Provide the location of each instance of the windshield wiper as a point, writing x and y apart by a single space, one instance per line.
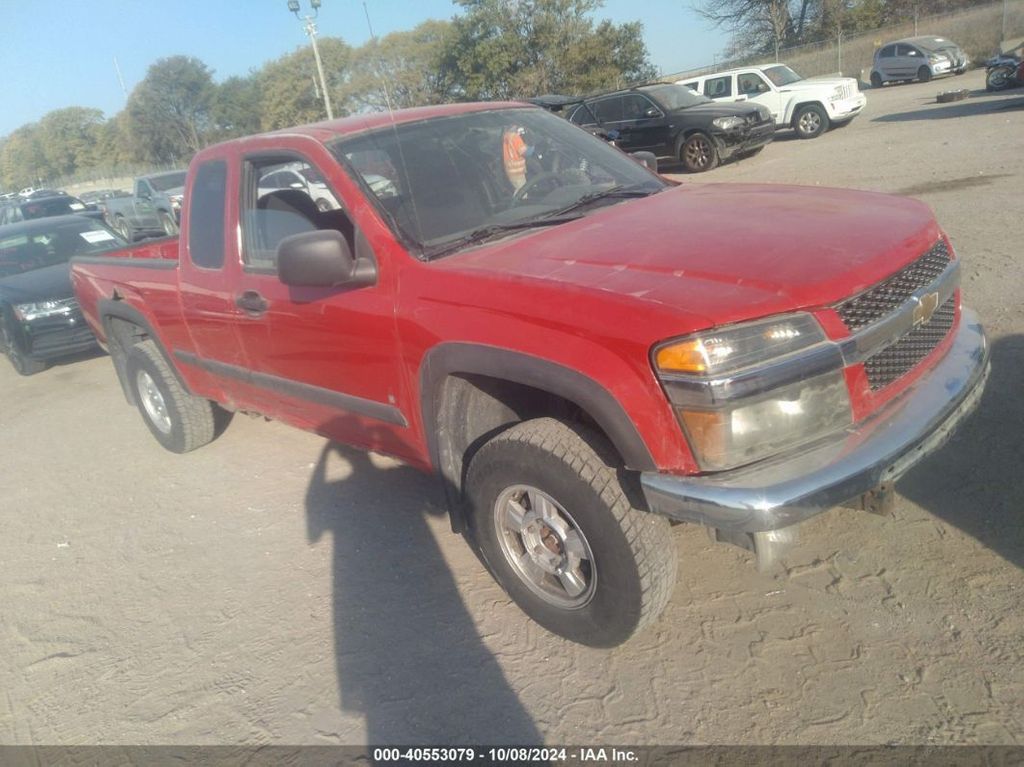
494 230
615 192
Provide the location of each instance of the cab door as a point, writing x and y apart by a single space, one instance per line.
752 86
324 359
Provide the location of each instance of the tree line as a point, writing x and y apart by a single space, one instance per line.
494 49
766 26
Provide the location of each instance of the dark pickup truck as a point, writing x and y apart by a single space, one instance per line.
153 210
583 358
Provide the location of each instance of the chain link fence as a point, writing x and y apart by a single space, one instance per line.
978 30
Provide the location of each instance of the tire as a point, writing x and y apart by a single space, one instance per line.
625 563
810 121
876 80
25 366
999 79
167 223
124 229
924 74
179 421
698 153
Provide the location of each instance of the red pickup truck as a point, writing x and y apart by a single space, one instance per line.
584 356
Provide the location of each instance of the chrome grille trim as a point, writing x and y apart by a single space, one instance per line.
895 361
873 338
887 296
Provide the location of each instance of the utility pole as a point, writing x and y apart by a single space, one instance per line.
309 26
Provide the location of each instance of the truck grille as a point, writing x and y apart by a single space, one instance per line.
894 361
885 297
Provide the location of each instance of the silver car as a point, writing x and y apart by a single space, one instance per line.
917 58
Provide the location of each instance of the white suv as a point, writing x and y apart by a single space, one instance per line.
808 106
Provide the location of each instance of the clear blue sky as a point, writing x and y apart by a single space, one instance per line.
59 53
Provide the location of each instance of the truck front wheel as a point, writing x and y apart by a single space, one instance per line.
179 421
553 524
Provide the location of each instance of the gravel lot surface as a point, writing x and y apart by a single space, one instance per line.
271 588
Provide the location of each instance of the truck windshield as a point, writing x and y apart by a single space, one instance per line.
439 180
781 75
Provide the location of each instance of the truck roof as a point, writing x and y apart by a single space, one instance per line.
330 129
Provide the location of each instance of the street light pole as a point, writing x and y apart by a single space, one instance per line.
310 28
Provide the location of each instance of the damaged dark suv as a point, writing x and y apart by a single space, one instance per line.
674 122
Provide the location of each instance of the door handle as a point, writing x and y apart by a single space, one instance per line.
251 302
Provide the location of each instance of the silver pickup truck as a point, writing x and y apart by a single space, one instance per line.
152 211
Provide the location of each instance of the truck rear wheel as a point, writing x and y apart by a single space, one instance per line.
179 421
554 526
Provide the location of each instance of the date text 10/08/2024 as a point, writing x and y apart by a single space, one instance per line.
503 754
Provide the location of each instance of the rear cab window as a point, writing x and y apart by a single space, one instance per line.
206 220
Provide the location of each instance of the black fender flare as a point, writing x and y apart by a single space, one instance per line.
110 309
457 358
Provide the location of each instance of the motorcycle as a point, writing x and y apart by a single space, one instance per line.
1005 69
1004 72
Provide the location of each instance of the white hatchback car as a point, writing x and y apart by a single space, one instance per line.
809 106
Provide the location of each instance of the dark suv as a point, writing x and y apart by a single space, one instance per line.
673 121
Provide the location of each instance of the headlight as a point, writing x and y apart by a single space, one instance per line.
753 390
837 93
176 200
728 123
39 309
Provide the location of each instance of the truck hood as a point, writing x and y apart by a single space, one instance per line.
722 252
46 284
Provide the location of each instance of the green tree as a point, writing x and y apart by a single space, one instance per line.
290 88
235 108
504 49
403 69
169 111
68 139
22 162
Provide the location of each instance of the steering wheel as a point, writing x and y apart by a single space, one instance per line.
521 192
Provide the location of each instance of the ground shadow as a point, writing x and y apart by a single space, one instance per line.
974 482
409 657
976 104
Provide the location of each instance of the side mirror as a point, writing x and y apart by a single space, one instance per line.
652 112
762 88
320 259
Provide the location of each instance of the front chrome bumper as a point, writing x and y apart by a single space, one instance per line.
778 493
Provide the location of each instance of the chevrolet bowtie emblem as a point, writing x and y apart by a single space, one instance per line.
926 306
